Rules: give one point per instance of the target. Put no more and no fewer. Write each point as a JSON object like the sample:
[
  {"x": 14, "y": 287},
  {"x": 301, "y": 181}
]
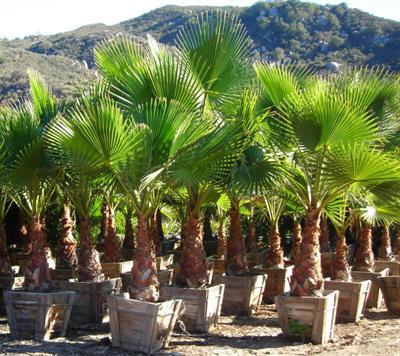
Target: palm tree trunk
[
  {"x": 341, "y": 268},
  {"x": 193, "y": 262},
  {"x": 307, "y": 279},
  {"x": 5, "y": 261},
  {"x": 324, "y": 238},
  {"x": 105, "y": 219},
  {"x": 154, "y": 236},
  {"x": 66, "y": 249},
  {"x": 112, "y": 251},
  {"x": 297, "y": 237},
  {"x": 89, "y": 267},
  {"x": 364, "y": 259},
  {"x": 385, "y": 250},
  {"x": 129, "y": 242},
  {"x": 251, "y": 237},
  {"x": 221, "y": 250},
  {"x": 37, "y": 276},
  {"x": 396, "y": 246},
  {"x": 237, "y": 263},
  {"x": 160, "y": 230},
  {"x": 207, "y": 225},
  {"x": 145, "y": 284},
  {"x": 274, "y": 255}
]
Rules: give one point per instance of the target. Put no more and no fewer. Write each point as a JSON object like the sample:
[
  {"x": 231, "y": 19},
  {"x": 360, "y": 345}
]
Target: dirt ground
[{"x": 377, "y": 334}]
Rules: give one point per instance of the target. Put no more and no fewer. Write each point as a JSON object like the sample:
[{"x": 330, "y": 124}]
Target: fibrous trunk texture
[
  {"x": 324, "y": 237},
  {"x": 129, "y": 240},
  {"x": 112, "y": 251},
  {"x": 193, "y": 262},
  {"x": 105, "y": 219},
  {"x": 66, "y": 248},
  {"x": 307, "y": 279},
  {"x": 297, "y": 237},
  {"x": 396, "y": 247},
  {"x": 364, "y": 259},
  {"x": 145, "y": 284},
  {"x": 207, "y": 231},
  {"x": 385, "y": 249},
  {"x": 237, "y": 263},
  {"x": 159, "y": 225},
  {"x": 251, "y": 238},
  {"x": 274, "y": 255},
  {"x": 221, "y": 250},
  {"x": 89, "y": 267},
  {"x": 154, "y": 236},
  {"x": 341, "y": 268},
  {"x": 37, "y": 276},
  {"x": 5, "y": 261}
]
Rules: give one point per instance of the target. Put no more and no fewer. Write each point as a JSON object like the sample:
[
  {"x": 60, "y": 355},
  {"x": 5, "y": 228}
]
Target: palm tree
[{"x": 29, "y": 175}]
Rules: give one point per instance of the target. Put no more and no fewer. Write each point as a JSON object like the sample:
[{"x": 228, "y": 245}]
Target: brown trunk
[
  {"x": 66, "y": 249},
  {"x": 129, "y": 240},
  {"x": 324, "y": 237},
  {"x": 296, "y": 243},
  {"x": 341, "y": 268},
  {"x": 251, "y": 238},
  {"x": 37, "y": 276},
  {"x": 154, "y": 236},
  {"x": 274, "y": 255},
  {"x": 207, "y": 225},
  {"x": 193, "y": 262},
  {"x": 221, "y": 251},
  {"x": 237, "y": 263},
  {"x": 307, "y": 279},
  {"x": 89, "y": 268},
  {"x": 364, "y": 259},
  {"x": 159, "y": 225},
  {"x": 5, "y": 261},
  {"x": 385, "y": 249},
  {"x": 145, "y": 284},
  {"x": 112, "y": 251},
  {"x": 26, "y": 238},
  {"x": 396, "y": 246},
  {"x": 105, "y": 219}
]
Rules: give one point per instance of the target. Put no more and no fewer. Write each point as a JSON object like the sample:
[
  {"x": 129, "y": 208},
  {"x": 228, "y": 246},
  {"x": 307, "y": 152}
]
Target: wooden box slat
[
  {"x": 254, "y": 258},
  {"x": 394, "y": 267},
  {"x": 114, "y": 269},
  {"x": 390, "y": 287},
  {"x": 164, "y": 278},
  {"x": 164, "y": 262}
]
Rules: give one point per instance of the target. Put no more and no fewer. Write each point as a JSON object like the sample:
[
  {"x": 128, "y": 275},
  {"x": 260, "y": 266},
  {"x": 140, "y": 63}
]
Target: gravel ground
[{"x": 377, "y": 334}]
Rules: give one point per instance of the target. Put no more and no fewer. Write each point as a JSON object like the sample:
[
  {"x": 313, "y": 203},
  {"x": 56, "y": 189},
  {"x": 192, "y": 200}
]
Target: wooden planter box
[
  {"x": 219, "y": 265},
  {"x": 114, "y": 269},
  {"x": 243, "y": 294},
  {"x": 9, "y": 283},
  {"x": 63, "y": 274},
  {"x": 390, "y": 287},
  {"x": 315, "y": 316},
  {"x": 327, "y": 259},
  {"x": 164, "y": 278},
  {"x": 277, "y": 281},
  {"x": 202, "y": 306},
  {"x": 394, "y": 267},
  {"x": 254, "y": 258},
  {"x": 375, "y": 297},
  {"x": 352, "y": 299},
  {"x": 17, "y": 256},
  {"x": 142, "y": 326},
  {"x": 164, "y": 262},
  {"x": 38, "y": 315},
  {"x": 90, "y": 306}
]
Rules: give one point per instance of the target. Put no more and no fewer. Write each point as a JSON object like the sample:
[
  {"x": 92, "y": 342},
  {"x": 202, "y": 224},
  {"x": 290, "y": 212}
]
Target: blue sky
[{"x": 19, "y": 18}]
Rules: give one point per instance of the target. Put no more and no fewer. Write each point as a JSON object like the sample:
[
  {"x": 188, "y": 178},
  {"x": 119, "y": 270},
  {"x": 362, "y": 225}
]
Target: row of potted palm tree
[{"x": 200, "y": 124}]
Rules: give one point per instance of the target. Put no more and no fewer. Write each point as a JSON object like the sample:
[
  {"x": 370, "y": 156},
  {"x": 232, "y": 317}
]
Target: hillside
[{"x": 305, "y": 32}]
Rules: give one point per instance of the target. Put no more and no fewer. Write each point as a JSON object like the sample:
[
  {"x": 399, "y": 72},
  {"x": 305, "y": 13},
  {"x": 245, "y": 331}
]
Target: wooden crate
[
  {"x": 17, "y": 256},
  {"x": 114, "y": 269},
  {"x": 390, "y": 287},
  {"x": 9, "y": 283},
  {"x": 164, "y": 278},
  {"x": 202, "y": 306},
  {"x": 164, "y": 262},
  {"x": 277, "y": 281},
  {"x": 60, "y": 274},
  {"x": 243, "y": 294},
  {"x": 90, "y": 306},
  {"x": 219, "y": 265},
  {"x": 38, "y": 315},
  {"x": 352, "y": 299},
  {"x": 375, "y": 297},
  {"x": 254, "y": 258},
  {"x": 315, "y": 315},
  {"x": 142, "y": 326},
  {"x": 394, "y": 267},
  {"x": 327, "y": 260}
]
